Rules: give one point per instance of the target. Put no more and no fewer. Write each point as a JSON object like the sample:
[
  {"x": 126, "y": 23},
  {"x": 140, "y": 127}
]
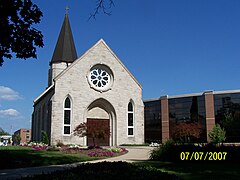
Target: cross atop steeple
[{"x": 67, "y": 8}]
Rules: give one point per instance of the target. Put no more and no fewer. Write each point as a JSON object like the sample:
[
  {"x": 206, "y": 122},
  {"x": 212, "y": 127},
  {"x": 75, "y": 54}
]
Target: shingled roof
[{"x": 65, "y": 50}]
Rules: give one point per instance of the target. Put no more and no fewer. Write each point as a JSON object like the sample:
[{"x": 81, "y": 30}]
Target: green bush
[
  {"x": 18, "y": 139},
  {"x": 162, "y": 152},
  {"x": 217, "y": 135},
  {"x": 107, "y": 170},
  {"x": 44, "y": 136}
]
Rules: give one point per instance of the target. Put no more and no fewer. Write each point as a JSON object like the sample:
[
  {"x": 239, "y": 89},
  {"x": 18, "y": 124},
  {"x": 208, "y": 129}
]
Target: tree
[
  {"x": 17, "y": 34},
  {"x": 18, "y": 139},
  {"x": 101, "y": 5},
  {"x": 2, "y": 132},
  {"x": 227, "y": 121},
  {"x": 44, "y": 137},
  {"x": 217, "y": 135},
  {"x": 185, "y": 131},
  {"x": 92, "y": 130}
]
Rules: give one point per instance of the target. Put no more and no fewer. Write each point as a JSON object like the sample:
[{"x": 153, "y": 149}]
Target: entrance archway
[{"x": 102, "y": 112}]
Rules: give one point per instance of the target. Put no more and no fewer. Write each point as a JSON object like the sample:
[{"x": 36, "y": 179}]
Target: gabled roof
[
  {"x": 99, "y": 42},
  {"x": 43, "y": 94},
  {"x": 65, "y": 50}
]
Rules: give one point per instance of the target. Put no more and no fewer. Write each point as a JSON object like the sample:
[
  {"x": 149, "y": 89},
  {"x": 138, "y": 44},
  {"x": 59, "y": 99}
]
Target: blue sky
[{"x": 172, "y": 47}]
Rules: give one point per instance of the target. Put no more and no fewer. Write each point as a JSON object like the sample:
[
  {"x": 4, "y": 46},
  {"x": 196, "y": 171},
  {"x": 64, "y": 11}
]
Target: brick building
[{"x": 25, "y": 135}]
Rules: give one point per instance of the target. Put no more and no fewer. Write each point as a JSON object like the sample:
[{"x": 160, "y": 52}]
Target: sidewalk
[{"x": 136, "y": 153}]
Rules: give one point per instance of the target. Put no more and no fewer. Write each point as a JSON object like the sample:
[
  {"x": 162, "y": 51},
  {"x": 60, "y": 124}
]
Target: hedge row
[{"x": 106, "y": 170}]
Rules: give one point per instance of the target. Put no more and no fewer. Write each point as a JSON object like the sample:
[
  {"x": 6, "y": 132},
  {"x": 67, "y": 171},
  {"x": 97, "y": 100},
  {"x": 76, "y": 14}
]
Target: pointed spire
[{"x": 65, "y": 50}]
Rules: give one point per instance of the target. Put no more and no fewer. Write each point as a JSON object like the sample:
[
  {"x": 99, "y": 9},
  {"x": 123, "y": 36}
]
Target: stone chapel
[{"x": 95, "y": 87}]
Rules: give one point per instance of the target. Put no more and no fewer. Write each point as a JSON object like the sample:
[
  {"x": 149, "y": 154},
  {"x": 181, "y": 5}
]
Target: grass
[
  {"x": 197, "y": 170},
  {"x": 15, "y": 157},
  {"x": 18, "y": 157}
]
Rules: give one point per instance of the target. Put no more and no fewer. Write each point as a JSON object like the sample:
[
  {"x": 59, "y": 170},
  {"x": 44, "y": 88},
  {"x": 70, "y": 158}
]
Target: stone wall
[{"x": 73, "y": 82}]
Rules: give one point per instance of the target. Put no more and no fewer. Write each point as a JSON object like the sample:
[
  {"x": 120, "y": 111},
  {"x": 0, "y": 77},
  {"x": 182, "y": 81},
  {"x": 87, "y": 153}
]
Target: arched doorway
[{"x": 100, "y": 113}]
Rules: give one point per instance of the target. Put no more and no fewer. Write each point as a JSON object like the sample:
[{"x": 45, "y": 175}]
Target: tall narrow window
[
  {"x": 130, "y": 119},
  {"x": 67, "y": 117}
]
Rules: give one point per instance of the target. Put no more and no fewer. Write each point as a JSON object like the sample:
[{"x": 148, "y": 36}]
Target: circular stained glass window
[{"x": 100, "y": 78}]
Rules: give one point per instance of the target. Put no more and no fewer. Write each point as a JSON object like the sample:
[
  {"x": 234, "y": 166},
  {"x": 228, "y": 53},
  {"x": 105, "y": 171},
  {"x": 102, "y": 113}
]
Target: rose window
[{"x": 99, "y": 78}]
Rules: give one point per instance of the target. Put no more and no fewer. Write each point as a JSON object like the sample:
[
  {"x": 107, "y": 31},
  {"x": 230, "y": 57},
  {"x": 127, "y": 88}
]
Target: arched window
[
  {"x": 130, "y": 119},
  {"x": 67, "y": 117}
]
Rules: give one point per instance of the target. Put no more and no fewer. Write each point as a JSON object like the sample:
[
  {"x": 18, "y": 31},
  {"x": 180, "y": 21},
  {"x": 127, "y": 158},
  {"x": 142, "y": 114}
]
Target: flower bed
[
  {"x": 35, "y": 146},
  {"x": 100, "y": 153},
  {"x": 76, "y": 149},
  {"x": 109, "y": 152},
  {"x": 95, "y": 152}
]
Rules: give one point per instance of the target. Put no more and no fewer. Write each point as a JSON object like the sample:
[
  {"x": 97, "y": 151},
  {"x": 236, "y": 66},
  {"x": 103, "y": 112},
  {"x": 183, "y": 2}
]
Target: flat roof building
[{"x": 166, "y": 117}]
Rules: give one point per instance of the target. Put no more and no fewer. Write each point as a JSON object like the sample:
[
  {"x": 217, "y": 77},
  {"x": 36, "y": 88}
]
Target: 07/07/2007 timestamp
[{"x": 198, "y": 156}]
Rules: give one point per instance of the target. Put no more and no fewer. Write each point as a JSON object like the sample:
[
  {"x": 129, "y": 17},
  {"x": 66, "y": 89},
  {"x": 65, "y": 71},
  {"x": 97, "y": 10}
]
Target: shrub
[
  {"x": 217, "y": 135},
  {"x": 44, "y": 136},
  {"x": 162, "y": 152},
  {"x": 60, "y": 144},
  {"x": 107, "y": 170},
  {"x": 18, "y": 139}
]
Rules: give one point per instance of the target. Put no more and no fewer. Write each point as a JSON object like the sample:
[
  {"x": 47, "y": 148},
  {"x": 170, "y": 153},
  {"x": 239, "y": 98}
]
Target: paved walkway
[{"x": 134, "y": 154}]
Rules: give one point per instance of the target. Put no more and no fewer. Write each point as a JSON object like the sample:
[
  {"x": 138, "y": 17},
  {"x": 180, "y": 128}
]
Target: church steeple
[
  {"x": 65, "y": 50},
  {"x": 64, "y": 53}
]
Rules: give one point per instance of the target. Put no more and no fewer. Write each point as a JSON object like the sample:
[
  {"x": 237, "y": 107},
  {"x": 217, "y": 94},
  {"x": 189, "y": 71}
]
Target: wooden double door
[{"x": 98, "y": 125}]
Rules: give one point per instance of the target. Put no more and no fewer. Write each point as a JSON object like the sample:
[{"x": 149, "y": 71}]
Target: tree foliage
[
  {"x": 17, "y": 139},
  {"x": 44, "y": 137},
  {"x": 227, "y": 121},
  {"x": 217, "y": 135},
  {"x": 92, "y": 130},
  {"x": 162, "y": 152},
  {"x": 17, "y": 34},
  {"x": 2, "y": 132},
  {"x": 185, "y": 131}
]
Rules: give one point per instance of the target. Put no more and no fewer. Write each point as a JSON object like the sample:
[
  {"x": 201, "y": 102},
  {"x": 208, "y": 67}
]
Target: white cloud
[
  {"x": 9, "y": 113},
  {"x": 7, "y": 93}
]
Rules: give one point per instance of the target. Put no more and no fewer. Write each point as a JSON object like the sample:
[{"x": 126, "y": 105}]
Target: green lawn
[
  {"x": 19, "y": 157},
  {"x": 16, "y": 157},
  {"x": 198, "y": 170}
]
